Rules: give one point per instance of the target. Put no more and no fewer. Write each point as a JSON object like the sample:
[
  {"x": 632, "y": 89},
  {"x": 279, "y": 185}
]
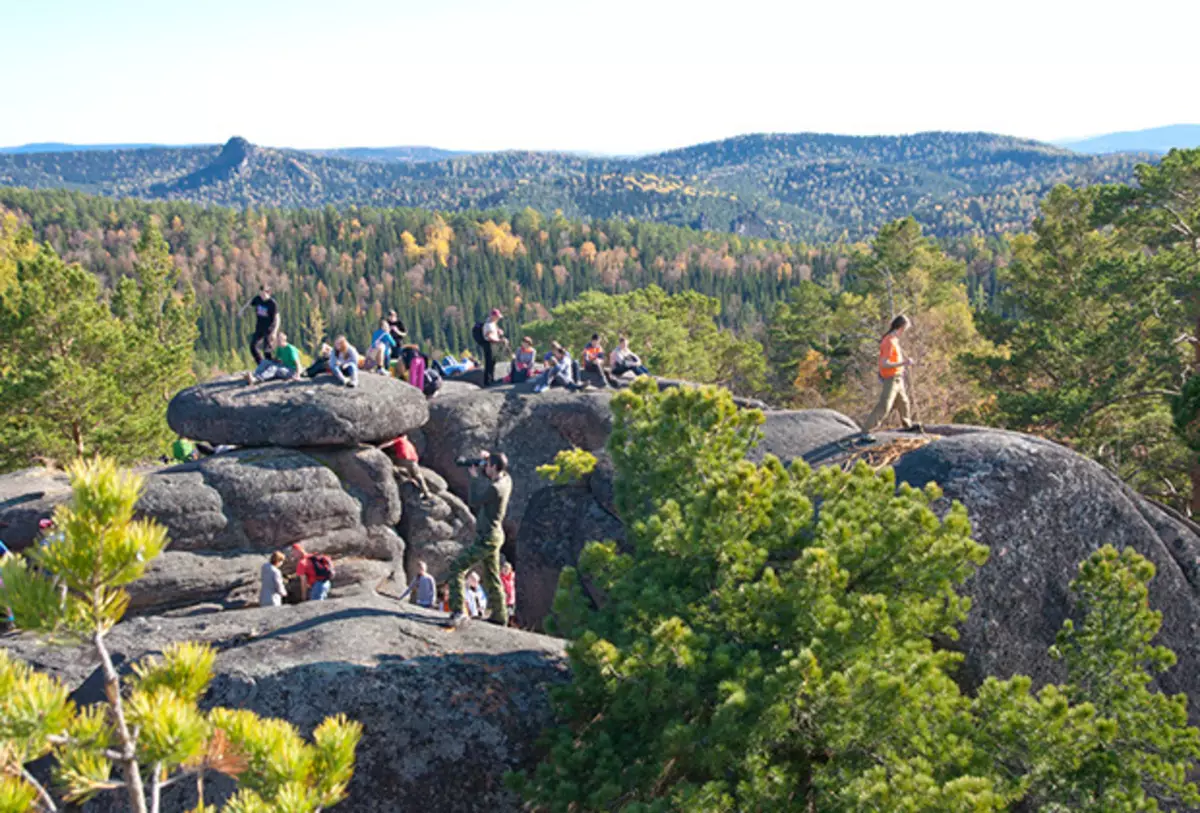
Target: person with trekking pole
[{"x": 893, "y": 367}]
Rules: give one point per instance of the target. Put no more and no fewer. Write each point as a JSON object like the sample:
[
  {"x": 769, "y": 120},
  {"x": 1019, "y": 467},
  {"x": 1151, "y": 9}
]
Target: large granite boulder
[
  {"x": 435, "y": 530},
  {"x": 1042, "y": 509},
  {"x": 789, "y": 434},
  {"x": 445, "y": 715},
  {"x": 559, "y": 521},
  {"x": 307, "y": 412},
  {"x": 224, "y": 514},
  {"x": 530, "y": 428}
]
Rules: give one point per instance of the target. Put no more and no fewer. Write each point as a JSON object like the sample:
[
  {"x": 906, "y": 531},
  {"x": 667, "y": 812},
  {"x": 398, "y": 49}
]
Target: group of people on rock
[
  {"x": 558, "y": 368},
  {"x": 468, "y": 593},
  {"x": 276, "y": 358}
]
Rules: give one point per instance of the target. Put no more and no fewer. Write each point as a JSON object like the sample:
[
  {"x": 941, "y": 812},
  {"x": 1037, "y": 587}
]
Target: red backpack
[{"x": 322, "y": 567}]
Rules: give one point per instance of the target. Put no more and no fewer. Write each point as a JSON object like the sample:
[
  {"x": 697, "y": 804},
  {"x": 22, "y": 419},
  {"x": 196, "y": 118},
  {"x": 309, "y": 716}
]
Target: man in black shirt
[
  {"x": 396, "y": 328},
  {"x": 266, "y": 323}
]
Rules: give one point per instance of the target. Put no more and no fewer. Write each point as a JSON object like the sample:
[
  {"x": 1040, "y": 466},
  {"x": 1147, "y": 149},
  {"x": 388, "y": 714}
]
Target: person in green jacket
[
  {"x": 285, "y": 365},
  {"x": 490, "y": 493}
]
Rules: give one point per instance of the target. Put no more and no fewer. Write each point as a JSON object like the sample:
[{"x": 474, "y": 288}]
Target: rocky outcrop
[
  {"x": 445, "y": 715},
  {"x": 558, "y": 522},
  {"x": 531, "y": 429},
  {"x": 225, "y": 513},
  {"x": 1043, "y": 509},
  {"x": 297, "y": 414},
  {"x": 436, "y": 530}
]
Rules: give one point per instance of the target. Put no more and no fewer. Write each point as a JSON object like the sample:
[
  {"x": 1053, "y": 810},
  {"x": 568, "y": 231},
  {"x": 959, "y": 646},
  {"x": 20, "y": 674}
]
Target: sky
[{"x": 618, "y": 77}]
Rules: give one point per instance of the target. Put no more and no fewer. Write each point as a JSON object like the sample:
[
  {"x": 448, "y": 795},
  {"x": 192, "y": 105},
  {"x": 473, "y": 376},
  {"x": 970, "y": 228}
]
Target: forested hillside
[{"x": 804, "y": 186}]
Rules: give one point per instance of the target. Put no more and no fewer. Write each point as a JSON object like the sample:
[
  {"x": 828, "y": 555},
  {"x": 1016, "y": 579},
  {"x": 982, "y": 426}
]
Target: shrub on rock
[{"x": 767, "y": 644}]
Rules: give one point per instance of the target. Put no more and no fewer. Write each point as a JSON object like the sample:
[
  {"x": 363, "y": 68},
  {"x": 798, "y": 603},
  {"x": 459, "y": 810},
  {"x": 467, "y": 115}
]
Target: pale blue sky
[{"x": 620, "y": 76}]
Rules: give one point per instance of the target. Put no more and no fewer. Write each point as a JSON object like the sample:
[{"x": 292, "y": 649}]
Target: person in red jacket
[{"x": 407, "y": 463}]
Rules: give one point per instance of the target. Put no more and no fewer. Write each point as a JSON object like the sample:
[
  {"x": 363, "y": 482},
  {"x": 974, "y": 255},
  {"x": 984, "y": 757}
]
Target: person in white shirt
[
  {"x": 343, "y": 362},
  {"x": 493, "y": 337},
  {"x": 274, "y": 589},
  {"x": 476, "y": 597}
]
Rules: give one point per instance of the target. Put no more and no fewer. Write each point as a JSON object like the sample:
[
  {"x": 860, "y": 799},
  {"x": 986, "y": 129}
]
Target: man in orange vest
[{"x": 892, "y": 364}]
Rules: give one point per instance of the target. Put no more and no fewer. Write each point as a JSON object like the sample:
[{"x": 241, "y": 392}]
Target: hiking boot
[
  {"x": 249, "y": 377},
  {"x": 351, "y": 383},
  {"x": 457, "y": 620},
  {"x": 915, "y": 429}
]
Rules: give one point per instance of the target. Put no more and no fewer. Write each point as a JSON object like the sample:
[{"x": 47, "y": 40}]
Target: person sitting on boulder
[
  {"x": 273, "y": 590},
  {"x": 523, "y": 359},
  {"x": 379, "y": 354},
  {"x": 593, "y": 360},
  {"x": 316, "y": 573},
  {"x": 508, "y": 580},
  {"x": 321, "y": 365},
  {"x": 444, "y": 596},
  {"x": 343, "y": 362},
  {"x": 425, "y": 587},
  {"x": 560, "y": 371},
  {"x": 477, "y": 602},
  {"x": 285, "y": 365},
  {"x": 892, "y": 367},
  {"x": 405, "y": 462},
  {"x": 623, "y": 360},
  {"x": 491, "y": 493}
]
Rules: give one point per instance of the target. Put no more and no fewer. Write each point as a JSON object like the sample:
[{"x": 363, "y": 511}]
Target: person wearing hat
[{"x": 493, "y": 336}]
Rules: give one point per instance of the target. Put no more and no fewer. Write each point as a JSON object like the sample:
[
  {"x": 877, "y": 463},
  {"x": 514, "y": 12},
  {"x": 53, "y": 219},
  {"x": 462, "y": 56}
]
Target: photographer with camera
[{"x": 491, "y": 488}]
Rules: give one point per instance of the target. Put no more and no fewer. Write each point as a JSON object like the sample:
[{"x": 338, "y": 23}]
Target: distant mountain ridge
[
  {"x": 1153, "y": 140},
  {"x": 810, "y": 186}
]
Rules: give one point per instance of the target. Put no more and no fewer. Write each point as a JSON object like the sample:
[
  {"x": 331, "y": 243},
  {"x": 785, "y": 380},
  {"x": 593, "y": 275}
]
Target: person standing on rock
[
  {"x": 266, "y": 323},
  {"x": 315, "y": 572},
  {"x": 892, "y": 367},
  {"x": 425, "y": 587},
  {"x": 285, "y": 365},
  {"x": 273, "y": 589},
  {"x": 493, "y": 337},
  {"x": 491, "y": 493},
  {"x": 343, "y": 362},
  {"x": 508, "y": 580}
]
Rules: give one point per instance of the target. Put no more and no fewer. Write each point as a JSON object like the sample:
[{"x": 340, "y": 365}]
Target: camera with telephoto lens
[{"x": 468, "y": 462}]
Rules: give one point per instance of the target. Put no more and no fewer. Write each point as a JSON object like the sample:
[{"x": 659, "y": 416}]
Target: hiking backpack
[
  {"x": 433, "y": 380},
  {"x": 322, "y": 567},
  {"x": 477, "y": 334}
]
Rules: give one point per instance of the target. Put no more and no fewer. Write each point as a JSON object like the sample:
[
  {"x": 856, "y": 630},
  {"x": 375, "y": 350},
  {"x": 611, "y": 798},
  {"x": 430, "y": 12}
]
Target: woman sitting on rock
[
  {"x": 343, "y": 362},
  {"x": 523, "y": 360},
  {"x": 623, "y": 360}
]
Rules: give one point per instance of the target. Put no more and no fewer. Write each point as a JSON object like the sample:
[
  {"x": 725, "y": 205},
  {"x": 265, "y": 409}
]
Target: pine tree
[
  {"x": 72, "y": 588},
  {"x": 765, "y": 643}
]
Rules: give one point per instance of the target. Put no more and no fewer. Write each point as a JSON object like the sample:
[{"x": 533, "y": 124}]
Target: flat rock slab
[
  {"x": 445, "y": 713},
  {"x": 308, "y": 412}
]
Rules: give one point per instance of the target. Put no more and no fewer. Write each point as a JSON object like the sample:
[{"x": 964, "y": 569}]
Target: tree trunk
[
  {"x": 1194, "y": 471},
  {"x": 112, "y": 688}
]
